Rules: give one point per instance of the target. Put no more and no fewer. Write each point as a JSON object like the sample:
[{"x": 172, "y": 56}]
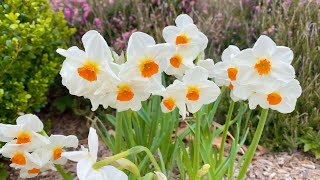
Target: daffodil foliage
[{"x": 161, "y": 128}]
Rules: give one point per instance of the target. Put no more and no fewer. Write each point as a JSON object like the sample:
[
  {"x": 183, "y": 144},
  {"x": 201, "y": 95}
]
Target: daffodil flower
[
  {"x": 57, "y": 145},
  {"x": 174, "y": 96},
  {"x": 87, "y": 157},
  {"x": 265, "y": 60},
  {"x": 160, "y": 175},
  {"x": 24, "y": 132},
  {"x": 276, "y": 95},
  {"x": 146, "y": 60},
  {"x": 199, "y": 90},
  {"x": 83, "y": 71},
  {"x": 19, "y": 155},
  {"x": 187, "y": 38}
]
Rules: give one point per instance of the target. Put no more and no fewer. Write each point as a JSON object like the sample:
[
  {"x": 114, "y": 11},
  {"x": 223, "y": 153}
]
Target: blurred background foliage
[{"x": 29, "y": 40}]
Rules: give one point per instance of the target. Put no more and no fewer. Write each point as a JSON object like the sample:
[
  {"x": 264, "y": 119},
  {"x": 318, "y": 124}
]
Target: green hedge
[{"x": 30, "y": 33}]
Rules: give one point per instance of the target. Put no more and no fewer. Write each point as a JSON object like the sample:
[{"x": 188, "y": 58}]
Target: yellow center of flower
[
  {"x": 176, "y": 60},
  {"x": 230, "y": 86},
  {"x": 124, "y": 93},
  {"x": 182, "y": 39},
  {"x": 19, "y": 159},
  {"x": 274, "y": 98},
  {"x": 88, "y": 71},
  {"x": 263, "y": 66},
  {"x": 169, "y": 103},
  {"x": 34, "y": 171},
  {"x": 193, "y": 93},
  {"x": 148, "y": 68},
  {"x": 232, "y": 73},
  {"x": 23, "y": 137},
  {"x": 57, "y": 153}
]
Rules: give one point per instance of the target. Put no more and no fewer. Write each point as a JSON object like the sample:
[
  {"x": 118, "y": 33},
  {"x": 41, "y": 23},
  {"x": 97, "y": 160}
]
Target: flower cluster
[
  {"x": 123, "y": 82},
  {"x": 263, "y": 75},
  {"x": 29, "y": 150}
]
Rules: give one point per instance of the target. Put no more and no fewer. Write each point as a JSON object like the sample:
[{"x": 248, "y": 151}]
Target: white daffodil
[
  {"x": 265, "y": 60},
  {"x": 57, "y": 143},
  {"x": 87, "y": 157},
  {"x": 186, "y": 36},
  {"x": 179, "y": 63},
  {"x": 121, "y": 94},
  {"x": 174, "y": 96},
  {"x": 19, "y": 155},
  {"x": 146, "y": 60},
  {"x": 83, "y": 71},
  {"x": 276, "y": 95},
  {"x": 33, "y": 170},
  {"x": 25, "y": 132},
  {"x": 199, "y": 90}
]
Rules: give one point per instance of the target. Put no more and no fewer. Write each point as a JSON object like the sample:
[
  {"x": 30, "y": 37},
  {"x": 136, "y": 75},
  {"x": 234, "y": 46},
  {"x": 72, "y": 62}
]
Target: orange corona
[
  {"x": 148, "y": 68},
  {"x": 169, "y": 103},
  {"x": 263, "y": 66},
  {"x": 274, "y": 98},
  {"x": 34, "y": 171},
  {"x": 57, "y": 153},
  {"x": 19, "y": 159},
  {"x": 193, "y": 93},
  {"x": 124, "y": 93},
  {"x": 232, "y": 73},
  {"x": 23, "y": 137},
  {"x": 182, "y": 39},
  {"x": 88, "y": 72},
  {"x": 175, "y": 61}
]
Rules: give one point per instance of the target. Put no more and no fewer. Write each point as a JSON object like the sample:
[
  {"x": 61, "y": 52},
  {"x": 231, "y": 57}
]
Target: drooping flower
[
  {"x": 199, "y": 90},
  {"x": 146, "y": 60},
  {"x": 276, "y": 95},
  {"x": 160, "y": 175},
  {"x": 174, "y": 96},
  {"x": 187, "y": 38},
  {"x": 263, "y": 61},
  {"x": 24, "y": 132},
  {"x": 82, "y": 72},
  {"x": 87, "y": 157}
]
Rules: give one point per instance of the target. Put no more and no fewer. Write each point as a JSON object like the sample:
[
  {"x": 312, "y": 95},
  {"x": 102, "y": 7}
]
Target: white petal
[
  {"x": 292, "y": 89},
  {"x": 196, "y": 74},
  {"x": 170, "y": 34},
  {"x": 195, "y": 106},
  {"x": 75, "y": 155},
  {"x": 285, "y": 106},
  {"x": 113, "y": 173},
  {"x": 245, "y": 57},
  {"x": 30, "y": 122},
  {"x": 96, "y": 47},
  {"x": 208, "y": 64},
  {"x": 282, "y": 71},
  {"x": 183, "y": 20},
  {"x": 73, "y": 54},
  {"x": 264, "y": 47},
  {"x": 93, "y": 142},
  {"x": 229, "y": 53},
  {"x": 83, "y": 168},
  {"x": 137, "y": 43},
  {"x": 283, "y": 54},
  {"x": 9, "y": 131}
]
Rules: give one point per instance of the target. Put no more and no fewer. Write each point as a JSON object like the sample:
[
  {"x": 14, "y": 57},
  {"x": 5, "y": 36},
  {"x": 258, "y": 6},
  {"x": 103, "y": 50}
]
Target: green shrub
[{"x": 30, "y": 33}]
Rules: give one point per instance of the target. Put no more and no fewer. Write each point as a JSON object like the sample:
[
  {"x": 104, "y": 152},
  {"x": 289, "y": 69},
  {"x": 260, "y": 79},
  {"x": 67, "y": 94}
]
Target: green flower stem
[
  {"x": 126, "y": 153},
  {"x": 225, "y": 131},
  {"x": 118, "y": 139},
  {"x": 197, "y": 144},
  {"x": 64, "y": 175},
  {"x": 59, "y": 168},
  {"x": 255, "y": 141}
]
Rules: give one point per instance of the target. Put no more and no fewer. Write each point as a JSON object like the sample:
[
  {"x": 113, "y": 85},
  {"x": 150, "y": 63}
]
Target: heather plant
[{"x": 28, "y": 65}]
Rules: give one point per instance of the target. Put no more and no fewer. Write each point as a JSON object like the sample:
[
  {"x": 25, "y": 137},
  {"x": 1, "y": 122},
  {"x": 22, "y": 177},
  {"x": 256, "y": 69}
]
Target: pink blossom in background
[{"x": 98, "y": 22}]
